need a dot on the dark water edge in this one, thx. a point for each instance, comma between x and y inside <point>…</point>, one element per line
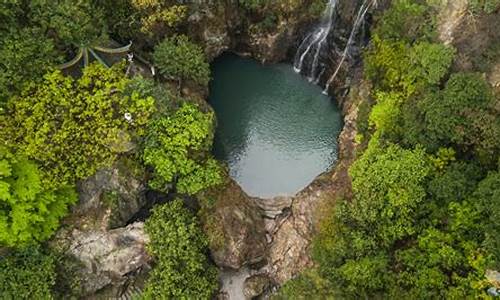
<point>276,131</point>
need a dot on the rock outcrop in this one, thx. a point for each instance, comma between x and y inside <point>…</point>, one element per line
<point>105,259</point>
<point>255,286</point>
<point>235,226</point>
<point>110,198</point>
<point>228,26</point>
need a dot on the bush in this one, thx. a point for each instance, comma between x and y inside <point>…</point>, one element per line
<point>177,57</point>
<point>182,270</point>
<point>28,211</point>
<point>176,148</point>
<point>27,274</point>
<point>407,21</point>
<point>460,116</point>
<point>155,13</point>
<point>26,55</point>
<point>74,127</point>
<point>487,6</point>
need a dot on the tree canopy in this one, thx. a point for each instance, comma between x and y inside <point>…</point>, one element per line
<point>72,127</point>
<point>178,245</point>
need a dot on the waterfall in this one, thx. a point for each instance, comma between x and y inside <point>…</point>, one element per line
<point>315,41</point>
<point>307,59</point>
<point>367,4</point>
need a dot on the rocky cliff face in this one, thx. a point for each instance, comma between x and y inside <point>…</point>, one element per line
<point>227,26</point>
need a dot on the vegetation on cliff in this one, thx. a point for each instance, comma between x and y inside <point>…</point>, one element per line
<point>419,224</point>
<point>58,130</point>
<point>178,245</point>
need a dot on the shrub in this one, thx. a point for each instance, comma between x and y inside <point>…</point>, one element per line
<point>460,115</point>
<point>182,270</point>
<point>74,127</point>
<point>26,55</point>
<point>177,57</point>
<point>156,13</point>
<point>28,211</point>
<point>407,21</point>
<point>27,274</point>
<point>176,148</point>
<point>487,6</point>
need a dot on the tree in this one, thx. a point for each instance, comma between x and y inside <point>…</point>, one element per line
<point>181,270</point>
<point>71,23</point>
<point>28,211</point>
<point>388,186</point>
<point>156,14</point>
<point>26,55</point>
<point>74,127</point>
<point>27,274</point>
<point>406,20</point>
<point>177,57</point>
<point>176,147</point>
<point>461,115</point>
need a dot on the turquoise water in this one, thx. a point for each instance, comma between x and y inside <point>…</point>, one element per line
<point>276,131</point>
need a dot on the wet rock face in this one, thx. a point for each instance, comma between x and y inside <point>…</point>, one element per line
<point>105,258</point>
<point>235,227</point>
<point>226,26</point>
<point>255,286</point>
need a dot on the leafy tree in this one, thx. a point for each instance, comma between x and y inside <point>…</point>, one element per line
<point>461,115</point>
<point>487,197</point>
<point>388,188</point>
<point>177,57</point>
<point>176,148</point>
<point>397,66</point>
<point>73,127</point>
<point>28,211</point>
<point>406,20</point>
<point>27,274</point>
<point>352,247</point>
<point>74,23</point>
<point>26,54</point>
<point>154,14</point>
<point>182,270</point>
<point>37,34</point>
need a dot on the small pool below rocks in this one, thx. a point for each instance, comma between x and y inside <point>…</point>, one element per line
<point>276,130</point>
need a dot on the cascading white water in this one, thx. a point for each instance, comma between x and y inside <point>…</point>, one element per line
<point>367,4</point>
<point>311,47</point>
<point>315,41</point>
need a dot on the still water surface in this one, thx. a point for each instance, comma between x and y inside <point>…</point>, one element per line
<point>276,130</point>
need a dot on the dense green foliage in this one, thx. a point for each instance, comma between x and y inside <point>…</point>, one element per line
<point>176,148</point>
<point>487,6</point>
<point>36,35</point>
<point>73,127</point>
<point>425,190</point>
<point>177,57</point>
<point>178,244</point>
<point>28,211</point>
<point>27,274</point>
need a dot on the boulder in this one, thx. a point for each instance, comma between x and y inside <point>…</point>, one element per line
<point>110,198</point>
<point>234,225</point>
<point>105,259</point>
<point>256,285</point>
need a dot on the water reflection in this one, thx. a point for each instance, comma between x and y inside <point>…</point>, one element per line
<point>275,130</point>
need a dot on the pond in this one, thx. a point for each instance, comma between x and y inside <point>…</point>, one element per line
<point>276,131</point>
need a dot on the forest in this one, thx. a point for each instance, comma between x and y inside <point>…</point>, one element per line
<point>422,216</point>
